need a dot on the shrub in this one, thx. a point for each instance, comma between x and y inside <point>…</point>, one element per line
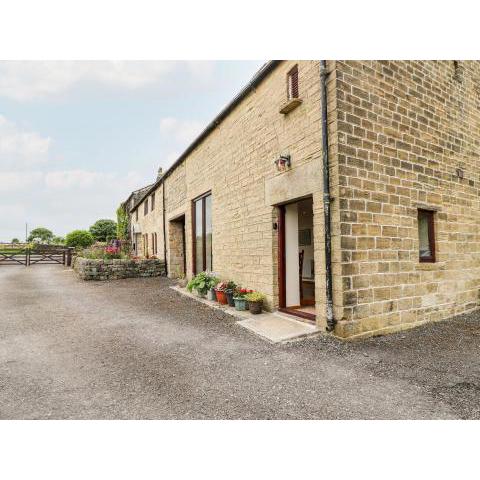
<point>79,238</point>
<point>255,297</point>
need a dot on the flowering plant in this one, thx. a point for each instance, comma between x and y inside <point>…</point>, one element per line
<point>221,287</point>
<point>112,252</point>
<point>241,292</point>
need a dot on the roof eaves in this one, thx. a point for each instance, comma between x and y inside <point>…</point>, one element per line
<point>251,85</point>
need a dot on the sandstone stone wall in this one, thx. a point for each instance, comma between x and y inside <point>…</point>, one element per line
<point>151,223</point>
<point>93,269</point>
<point>237,160</point>
<point>408,138</point>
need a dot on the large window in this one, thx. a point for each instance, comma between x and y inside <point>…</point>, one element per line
<point>426,235</point>
<point>202,233</point>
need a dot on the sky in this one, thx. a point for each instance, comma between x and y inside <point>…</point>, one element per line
<point>77,137</point>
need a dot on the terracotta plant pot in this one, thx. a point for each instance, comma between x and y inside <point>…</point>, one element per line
<point>221,297</point>
<point>230,300</point>
<point>240,304</point>
<point>211,295</point>
<point>255,307</point>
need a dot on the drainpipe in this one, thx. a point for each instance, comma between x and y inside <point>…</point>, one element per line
<point>164,231</point>
<point>326,199</point>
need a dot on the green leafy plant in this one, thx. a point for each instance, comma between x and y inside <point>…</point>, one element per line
<point>79,238</point>
<point>103,230</point>
<point>202,282</point>
<point>15,240</point>
<point>255,297</point>
<point>122,222</point>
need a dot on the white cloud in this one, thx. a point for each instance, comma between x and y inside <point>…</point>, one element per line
<point>89,180</point>
<point>20,147</point>
<point>18,181</point>
<point>61,200</point>
<point>182,131</point>
<point>27,80</point>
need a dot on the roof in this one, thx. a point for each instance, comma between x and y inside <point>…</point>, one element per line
<point>251,85</point>
<point>137,195</point>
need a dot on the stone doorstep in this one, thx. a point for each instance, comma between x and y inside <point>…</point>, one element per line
<point>272,327</point>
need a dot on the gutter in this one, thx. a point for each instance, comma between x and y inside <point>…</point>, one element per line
<point>164,232</point>
<point>326,200</point>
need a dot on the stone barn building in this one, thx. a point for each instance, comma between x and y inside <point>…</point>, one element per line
<point>346,191</point>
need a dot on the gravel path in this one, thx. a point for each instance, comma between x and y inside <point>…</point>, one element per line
<point>136,349</point>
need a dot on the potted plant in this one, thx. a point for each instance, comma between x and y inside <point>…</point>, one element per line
<point>220,291</point>
<point>202,283</point>
<point>211,295</point>
<point>240,300</point>
<point>255,302</point>
<point>230,292</point>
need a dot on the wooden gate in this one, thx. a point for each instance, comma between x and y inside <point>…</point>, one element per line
<point>28,255</point>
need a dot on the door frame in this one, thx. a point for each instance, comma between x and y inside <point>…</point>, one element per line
<point>282,271</point>
<point>204,236</point>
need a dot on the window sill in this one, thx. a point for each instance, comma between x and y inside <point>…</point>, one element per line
<point>430,266</point>
<point>292,104</point>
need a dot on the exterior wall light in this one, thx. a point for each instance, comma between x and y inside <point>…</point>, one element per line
<point>283,163</point>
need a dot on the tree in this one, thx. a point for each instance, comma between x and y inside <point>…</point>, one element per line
<point>15,240</point>
<point>40,235</point>
<point>58,240</point>
<point>122,222</point>
<point>103,230</point>
<point>79,238</point>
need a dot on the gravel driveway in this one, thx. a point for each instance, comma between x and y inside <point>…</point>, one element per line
<point>135,349</point>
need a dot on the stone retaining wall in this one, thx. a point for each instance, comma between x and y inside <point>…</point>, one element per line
<point>90,269</point>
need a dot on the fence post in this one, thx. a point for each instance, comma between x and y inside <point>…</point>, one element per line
<point>27,257</point>
<point>69,257</point>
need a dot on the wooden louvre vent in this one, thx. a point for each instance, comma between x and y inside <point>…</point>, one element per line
<point>293,100</point>
<point>292,83</point>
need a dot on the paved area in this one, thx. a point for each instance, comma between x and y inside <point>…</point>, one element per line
<point>274,327</point>
<point>137,349</point>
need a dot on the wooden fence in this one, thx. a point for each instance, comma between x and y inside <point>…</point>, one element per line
<point>34,254</point>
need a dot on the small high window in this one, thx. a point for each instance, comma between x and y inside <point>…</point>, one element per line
<point>136,214</point>
<point>145,206</point>
<point>292,83</point>
<point>426,235</point>
<point>152,201</point>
